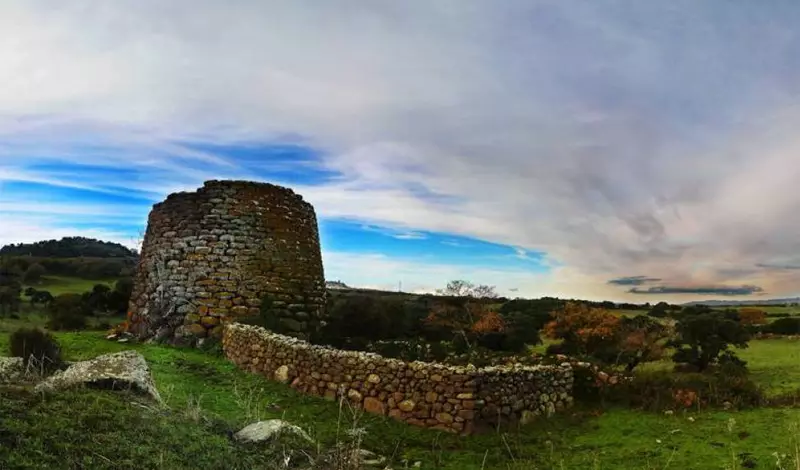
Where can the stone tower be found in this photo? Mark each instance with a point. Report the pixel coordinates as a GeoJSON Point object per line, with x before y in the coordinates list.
{"type": "Point", "coordinates": [213, 255]}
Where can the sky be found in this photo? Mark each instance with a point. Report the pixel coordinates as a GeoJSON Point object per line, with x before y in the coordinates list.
{"type": "Point", "coordinates": [599, 149]}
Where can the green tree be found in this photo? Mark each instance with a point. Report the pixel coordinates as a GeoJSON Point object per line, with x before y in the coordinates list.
{"type": "Point", "coordinates": [10, 289]}
{"type": "Point", "coordinates": [703, 339]}
{"type": "Point", "coordinates": [659, 310]}
{"type": "Point", "coordinates": [68, 312]}
{"type": "Point", "coordinates": [34, 274]}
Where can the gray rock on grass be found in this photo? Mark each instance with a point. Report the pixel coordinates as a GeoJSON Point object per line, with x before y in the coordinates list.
{"type": "Point", "coordinates": [262, 431]}
{"type": "Point", "coordinates": [122, 370]}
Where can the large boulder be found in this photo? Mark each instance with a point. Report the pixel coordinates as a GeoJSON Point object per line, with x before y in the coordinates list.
{"type": "Point", "coordinates": [270, 429]}
{"type": "Point", "coordinates": [127, 370]}
{"type": "Point", "coordinates": [12, 369]}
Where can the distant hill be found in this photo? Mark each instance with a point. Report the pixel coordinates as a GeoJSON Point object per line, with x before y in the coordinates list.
{"type": "Point", "coordinates": [726, 303]}
{"type": "Point", "coordinates": [69, 247]}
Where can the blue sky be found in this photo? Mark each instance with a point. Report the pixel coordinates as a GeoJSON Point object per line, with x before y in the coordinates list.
{"type": "Point", "coordinates": [552, 148]}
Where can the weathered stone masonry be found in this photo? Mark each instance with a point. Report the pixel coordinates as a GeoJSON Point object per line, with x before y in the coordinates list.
{"type": "Point", "coordinates": [455, 399]}
{"type": "Point", "coordinates": [212, 255]}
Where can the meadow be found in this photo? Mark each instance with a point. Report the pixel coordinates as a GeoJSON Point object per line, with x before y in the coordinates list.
{"type": "Point", "coordinates": [208, 398]}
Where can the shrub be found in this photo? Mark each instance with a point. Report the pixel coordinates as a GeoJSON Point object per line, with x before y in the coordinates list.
{"type": "Point", "coordinates": [659, 310]}
{"type": "Point", "coordinates": [658, 390]}
{"type": "Point", "coordinates": [36, 347]}
{"type": "Point", "coordinates": [703, 338]}
{"type": "Point", "coordinates": [41, 297]}
{"type": "Point", "coordinates": [34, 273]}
{"type": "Point", "coordinates": [10, 289]}
{"type": "Point", "coordinates": [784, 326]}
{"type": "Point", "coordinates": [369, 318]}
{"type": "Point", "coordinates": [68, 312]}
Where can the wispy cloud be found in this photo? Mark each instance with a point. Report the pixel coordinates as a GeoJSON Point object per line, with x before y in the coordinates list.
{"type": "Point", "coordinates": [633, 280]}
{"type": "Point", "coordinates": [702, 290]}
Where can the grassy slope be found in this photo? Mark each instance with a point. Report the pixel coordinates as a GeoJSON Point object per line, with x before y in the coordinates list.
{"type": "Point", "coordinates": [57, 285]}
{"type": "Point", "coordinates": [616, 439]}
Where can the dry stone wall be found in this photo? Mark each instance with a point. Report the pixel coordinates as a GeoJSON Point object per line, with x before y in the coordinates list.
{"type": "Point", "coordinates": [454, 399]}
{"type": "Point", "coordinates": [212, 255]}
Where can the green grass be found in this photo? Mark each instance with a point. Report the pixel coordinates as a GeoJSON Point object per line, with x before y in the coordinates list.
{"type": "Point", "coordinates": [98, 429]}
{"type": "Point", "coordinates": [57, 285]}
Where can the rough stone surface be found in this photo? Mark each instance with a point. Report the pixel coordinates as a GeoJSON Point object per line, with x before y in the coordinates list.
{"type": "Point", "coordinates": [12, 369]}
{"type": "Point", "coordinates": [122, 370]}
{"type": "Point", "coordinates": [448, 398]}
{"type": "Point", "coordinates": [270, 429]}
{"type": "Point", "coordinates": [212, 255]}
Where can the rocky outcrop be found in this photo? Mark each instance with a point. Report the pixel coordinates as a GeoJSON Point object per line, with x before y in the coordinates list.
{"type": "Point", "coordinates": [448, 398]}
{"type": "Point", "coordinates": [212, 255]}
{"type": "Point", "coordinates": [126, 370]}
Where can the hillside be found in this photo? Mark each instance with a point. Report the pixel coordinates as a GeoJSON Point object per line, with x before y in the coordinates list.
{"type": "Point", "coordinates": [69, 247]}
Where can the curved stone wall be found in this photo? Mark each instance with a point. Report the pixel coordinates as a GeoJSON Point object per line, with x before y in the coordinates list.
{"type": "Point", "coordinates": [212, 255]}
{"type": "Point", "coordinates": [454, 399]}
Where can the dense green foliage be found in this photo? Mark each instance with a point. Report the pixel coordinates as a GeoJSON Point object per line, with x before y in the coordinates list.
{"type": "Point", "coordinates": [10, 289]}
{"type": "Point", "coordinates": [69, 247]}
{"type": "Point", "coordinates": [705, 338]}
{"type": "Point", "coordinates": [68, 312]}
{"type": "Point", "coordinates": [783, 326]}
{"type": "Point", "coordinates": [34, 273]}
{"type": "Point", "coordinates": [38, 348]}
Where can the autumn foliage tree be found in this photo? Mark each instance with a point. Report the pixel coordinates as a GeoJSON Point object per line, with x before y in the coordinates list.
{"type": "Point", "coordinates": [595, 332]}
{"type": "Point", "coordinates": [750, 316]}
{"type": "Point", "coordinates": [467, 319]}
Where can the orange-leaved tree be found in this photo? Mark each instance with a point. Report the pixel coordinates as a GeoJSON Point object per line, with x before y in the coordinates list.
{"type": "Point", "coordinates": [596, 332]}
{"type": "Point", "coordinates": [752, 316]}
{"type": "Point", "coordinates": [466, 318]}
{"type": "Point", "coordinates": [582, 328]}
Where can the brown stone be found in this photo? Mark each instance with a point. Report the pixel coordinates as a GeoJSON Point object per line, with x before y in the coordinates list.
{"type": "Point", "coordinates": [196, 329]}
{"type": "Point", "coordinates": [210, 322]}
{"type": "Point", "coordinates": [431, 397]}
{"type": "Point", "coordinates": [373, 405]}
{"type": "Point", "coordinates": [467, 414]}
{"type": "Point", "coordinates": [445, 418]}
{"type": "Point", "coordinates": [406, 405]}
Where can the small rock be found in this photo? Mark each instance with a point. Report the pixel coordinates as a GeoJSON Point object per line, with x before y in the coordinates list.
{"type": "Point", "coordinates": [406, 405]}
{"type": "Point", "coordinates": [282, 374]}
{"type": "Point", "coordinates": [262, 431]}
{"type": "Point", "coordinates": [354, 395]}
{"type": "Point", "coordinates": [370, 459]}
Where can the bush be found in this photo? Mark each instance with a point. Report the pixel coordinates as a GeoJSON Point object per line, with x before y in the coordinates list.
{"type": "Point", "coordinates": [703, 338]}
{"type": "Point", "coordinates": [38, 348]}
{"type": "Point", "coordinates": [68, 312]}
{"type": "Point", "coordinates": [783, 326]}
{"type": "Point", "coordinates": [658, 390]}
{"type": "Point", "coordinates": [34, 273]}
{"type": "Point", "coordinates": [367, 318]}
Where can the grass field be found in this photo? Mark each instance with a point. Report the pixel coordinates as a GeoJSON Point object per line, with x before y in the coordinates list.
{"type": "Point", "coordinates": [57, 285]}
{"type": "Point", "coordinates": [192, 382]}
{"type": "Point", "coordinates": [208, 397]}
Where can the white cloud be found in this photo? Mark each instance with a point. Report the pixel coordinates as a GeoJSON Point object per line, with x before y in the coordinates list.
{"type": "Point", "coordinates": [620, 139]}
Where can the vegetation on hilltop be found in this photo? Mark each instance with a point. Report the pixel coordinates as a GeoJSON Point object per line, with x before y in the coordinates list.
{"type": "Point", "coordinates": [69, 247]}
